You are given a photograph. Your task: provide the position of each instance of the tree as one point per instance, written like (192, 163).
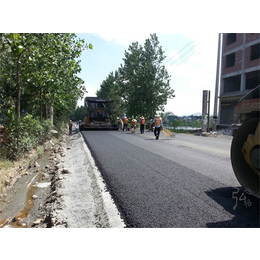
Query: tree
(79, 113)
(40, 71)
(144, 83)
(109, 89)
(38, 74)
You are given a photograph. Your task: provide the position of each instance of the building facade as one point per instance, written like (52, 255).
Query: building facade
(240, 71)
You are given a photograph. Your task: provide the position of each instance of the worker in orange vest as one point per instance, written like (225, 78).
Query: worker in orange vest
(125, 123)
(157, 126)
(142, 123)
(70, 127)
(119, 123)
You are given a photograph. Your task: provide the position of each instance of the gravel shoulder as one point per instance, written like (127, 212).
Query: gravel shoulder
(84, 202)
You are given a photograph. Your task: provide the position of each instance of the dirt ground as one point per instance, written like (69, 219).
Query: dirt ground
(62, 189)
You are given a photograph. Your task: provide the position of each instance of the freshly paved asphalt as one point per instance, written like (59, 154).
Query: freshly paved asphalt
(183, 182)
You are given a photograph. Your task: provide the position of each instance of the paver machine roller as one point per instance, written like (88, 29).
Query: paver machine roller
(98, 115)
(245, 147)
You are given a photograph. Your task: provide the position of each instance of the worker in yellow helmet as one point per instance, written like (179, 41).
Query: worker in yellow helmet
(125, 124)
(142, 123)
(134, 122)
(157, 126)
(119, 123)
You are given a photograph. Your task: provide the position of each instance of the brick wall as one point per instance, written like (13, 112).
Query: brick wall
(237, 43)
(236, 67)
(252, 37)
(248, 62)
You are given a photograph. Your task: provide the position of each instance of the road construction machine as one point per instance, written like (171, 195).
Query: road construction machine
(98, 115)
(245, 147)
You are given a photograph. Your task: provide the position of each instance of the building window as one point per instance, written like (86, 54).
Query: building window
(232, 84)
(252, 79)
(255, 51)
(231, 38)
(230, 60)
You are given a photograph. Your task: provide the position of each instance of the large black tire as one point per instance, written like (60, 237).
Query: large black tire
(244, 174)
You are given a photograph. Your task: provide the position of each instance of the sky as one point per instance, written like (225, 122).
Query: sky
(111, 26)
(191, 60)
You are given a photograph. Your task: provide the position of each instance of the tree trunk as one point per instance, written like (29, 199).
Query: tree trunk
(51, 115)
(40, 105)
(18, 84)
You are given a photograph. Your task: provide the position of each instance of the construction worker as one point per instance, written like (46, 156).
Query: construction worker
(134, 122)
(157, 126)
(119, 123)
(151, 125)
(70, 127)
(142, 123)
(125, 123)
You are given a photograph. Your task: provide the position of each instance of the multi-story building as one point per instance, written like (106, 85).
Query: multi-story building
(240, 71)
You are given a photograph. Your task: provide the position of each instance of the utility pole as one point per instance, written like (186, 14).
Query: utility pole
(215, 113)
(205, 110)
(208, 110)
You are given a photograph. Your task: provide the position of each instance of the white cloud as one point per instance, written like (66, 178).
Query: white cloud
(124, 38)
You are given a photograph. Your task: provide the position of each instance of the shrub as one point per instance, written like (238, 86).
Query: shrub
(25, 134)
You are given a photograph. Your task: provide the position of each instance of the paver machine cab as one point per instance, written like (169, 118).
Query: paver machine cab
(98, 115)
(245, 147)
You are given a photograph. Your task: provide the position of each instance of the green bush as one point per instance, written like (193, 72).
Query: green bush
(25, 134)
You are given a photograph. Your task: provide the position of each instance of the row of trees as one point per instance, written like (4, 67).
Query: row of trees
(38, 75)
(141, 86)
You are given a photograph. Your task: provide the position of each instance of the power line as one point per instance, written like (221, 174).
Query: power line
(196, 53)
(191, 41)
(193, 54)
(183, 55)
(183, 48)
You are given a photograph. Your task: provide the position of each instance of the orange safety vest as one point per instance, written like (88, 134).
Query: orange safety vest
(158, 121)
(142, 121)
(125, 121)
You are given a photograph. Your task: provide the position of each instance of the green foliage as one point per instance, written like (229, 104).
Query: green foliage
(142, 85)
(40, 70)
(196, 124)
(110, 90)
(78, 114)
(25, 134)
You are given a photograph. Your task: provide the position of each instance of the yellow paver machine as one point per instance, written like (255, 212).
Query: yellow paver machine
(98, 115)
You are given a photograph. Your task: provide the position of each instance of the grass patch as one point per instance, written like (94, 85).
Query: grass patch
(5, 164)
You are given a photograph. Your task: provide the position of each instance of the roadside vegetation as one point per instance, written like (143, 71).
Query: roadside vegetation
(39, 88)
(183, 125)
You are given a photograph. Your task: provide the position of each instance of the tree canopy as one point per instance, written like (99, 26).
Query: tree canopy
(38, 80)
(39, 70)
(141, 86)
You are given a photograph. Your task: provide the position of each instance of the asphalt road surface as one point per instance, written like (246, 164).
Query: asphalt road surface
(183, 182)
